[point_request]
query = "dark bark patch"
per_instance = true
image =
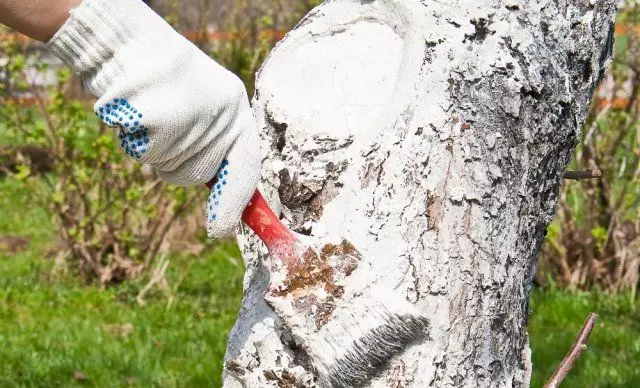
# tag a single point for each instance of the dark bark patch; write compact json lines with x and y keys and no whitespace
{"x":498,"y":322}
{"x":324,"y":145}
{"x":458,"y":380}
{"x":324,"y":314}
{"x":235,"y":368}
{"x":481,"y":31}
{"x":429,"y":50}
{"x":530,"y":92}
{"x":456,"y":25}
{"x":495,"y":369}
{"x":348,"y":266}
{"x":581,"y":69}
{"x":279,"y":131}
{"x":293,"y":194}
{"x":283,"y":379}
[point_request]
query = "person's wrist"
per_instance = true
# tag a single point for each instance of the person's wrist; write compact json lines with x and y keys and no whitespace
{"x":37,"y":19}
{"x":104,"y":40}
{"x":55,"y":20}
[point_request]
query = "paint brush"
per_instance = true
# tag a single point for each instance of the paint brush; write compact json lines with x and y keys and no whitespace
{"x":348,"y":330}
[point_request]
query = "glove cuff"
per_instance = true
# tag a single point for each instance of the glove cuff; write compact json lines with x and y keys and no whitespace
{"x":236,"y":182}
{"x":105,"y":39}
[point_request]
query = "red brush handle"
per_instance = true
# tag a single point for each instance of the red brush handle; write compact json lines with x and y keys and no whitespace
{"x":263,"y":221}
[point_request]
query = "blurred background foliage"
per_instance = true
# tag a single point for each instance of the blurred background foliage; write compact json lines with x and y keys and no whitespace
{"x":107,"y":279}
{"x":594,"y":241}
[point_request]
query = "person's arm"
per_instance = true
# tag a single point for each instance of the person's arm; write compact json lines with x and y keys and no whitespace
{"x":171,"y":105}
{"x":38,"y":19}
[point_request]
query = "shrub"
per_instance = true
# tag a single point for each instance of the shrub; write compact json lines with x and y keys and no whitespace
{"x":595,"y":239}
{"x":112,"y":215}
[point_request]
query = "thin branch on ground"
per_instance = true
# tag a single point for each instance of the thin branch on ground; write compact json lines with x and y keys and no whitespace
{"x":576,"y":350}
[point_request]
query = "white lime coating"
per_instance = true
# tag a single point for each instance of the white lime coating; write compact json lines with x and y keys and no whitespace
{"x":342,"y":100}
{"x":445,"y":183}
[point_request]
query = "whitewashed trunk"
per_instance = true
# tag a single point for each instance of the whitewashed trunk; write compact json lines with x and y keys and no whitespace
{"x":433,"y":135}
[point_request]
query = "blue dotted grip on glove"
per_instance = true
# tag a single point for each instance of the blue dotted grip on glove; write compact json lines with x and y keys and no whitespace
{"x":219,"y":182}
{"x":134,"y":137}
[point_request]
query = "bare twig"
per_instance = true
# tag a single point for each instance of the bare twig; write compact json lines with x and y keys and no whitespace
{"x":158,"y":277}
{"x":580,"y":175}
{"x":576,"y":350}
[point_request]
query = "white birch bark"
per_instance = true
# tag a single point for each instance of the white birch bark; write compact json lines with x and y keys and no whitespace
{"x":433,"y":135}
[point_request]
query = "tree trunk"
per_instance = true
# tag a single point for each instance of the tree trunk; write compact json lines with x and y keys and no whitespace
{"x":433,"y":135}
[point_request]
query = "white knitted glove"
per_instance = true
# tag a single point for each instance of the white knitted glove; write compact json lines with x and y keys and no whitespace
{"x":176,"y":109}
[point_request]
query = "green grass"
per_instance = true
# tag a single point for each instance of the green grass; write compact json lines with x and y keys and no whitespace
{"x":50,"y":327}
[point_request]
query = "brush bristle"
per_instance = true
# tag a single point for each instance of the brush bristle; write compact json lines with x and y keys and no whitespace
{"x":349,"y":352}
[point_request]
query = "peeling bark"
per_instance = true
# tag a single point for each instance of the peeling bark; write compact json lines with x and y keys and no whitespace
{"x":434,"y":137}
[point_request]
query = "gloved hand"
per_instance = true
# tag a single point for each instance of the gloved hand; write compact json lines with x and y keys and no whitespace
{"x":174,"y":107}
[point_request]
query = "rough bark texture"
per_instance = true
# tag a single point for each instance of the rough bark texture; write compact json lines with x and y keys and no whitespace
{"x":433,"y":135}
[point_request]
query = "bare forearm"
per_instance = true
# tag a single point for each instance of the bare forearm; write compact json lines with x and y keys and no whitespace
{"x":38,"y":19}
